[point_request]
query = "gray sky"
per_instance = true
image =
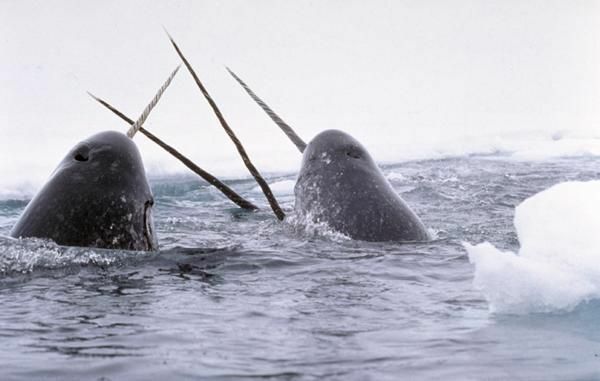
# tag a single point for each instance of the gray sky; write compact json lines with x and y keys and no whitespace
{"x":408,"y":78}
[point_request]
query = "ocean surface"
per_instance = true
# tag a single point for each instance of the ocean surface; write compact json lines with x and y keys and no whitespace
{"x":239,"y":295}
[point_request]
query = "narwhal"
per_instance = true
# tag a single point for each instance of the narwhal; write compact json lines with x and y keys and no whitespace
{"x":98,"y":196}
{"x":340,"y":184}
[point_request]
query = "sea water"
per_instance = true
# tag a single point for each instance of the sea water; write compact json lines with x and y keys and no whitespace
{"x":239,"y":295}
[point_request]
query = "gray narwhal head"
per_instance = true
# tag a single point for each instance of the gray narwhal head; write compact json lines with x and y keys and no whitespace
{"x":338,"y":148}
{"x":98,"y":196}
{"x":340,"y":184}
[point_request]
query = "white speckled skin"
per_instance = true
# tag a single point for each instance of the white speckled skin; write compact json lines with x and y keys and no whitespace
{"x":340,"y":184}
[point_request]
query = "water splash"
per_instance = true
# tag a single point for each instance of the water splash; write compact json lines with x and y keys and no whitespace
{"x":31,"y":254}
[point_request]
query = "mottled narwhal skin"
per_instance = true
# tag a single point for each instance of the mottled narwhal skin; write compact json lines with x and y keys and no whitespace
{"x":340,"y":184}
{"x":98,"y":196}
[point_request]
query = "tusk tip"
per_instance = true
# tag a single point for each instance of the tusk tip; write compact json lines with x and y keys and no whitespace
{"x":93,"y":96}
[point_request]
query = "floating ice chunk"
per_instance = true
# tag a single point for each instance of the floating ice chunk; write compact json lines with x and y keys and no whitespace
{"x":558,"y":264}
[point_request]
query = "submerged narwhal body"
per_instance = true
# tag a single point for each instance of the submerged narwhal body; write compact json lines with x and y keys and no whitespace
{"x":98,"y":196}
{"x":340,"y":185}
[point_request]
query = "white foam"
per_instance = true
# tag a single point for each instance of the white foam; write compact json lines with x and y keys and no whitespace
{"x":558,"y":264}
{"x":306,"y":225}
